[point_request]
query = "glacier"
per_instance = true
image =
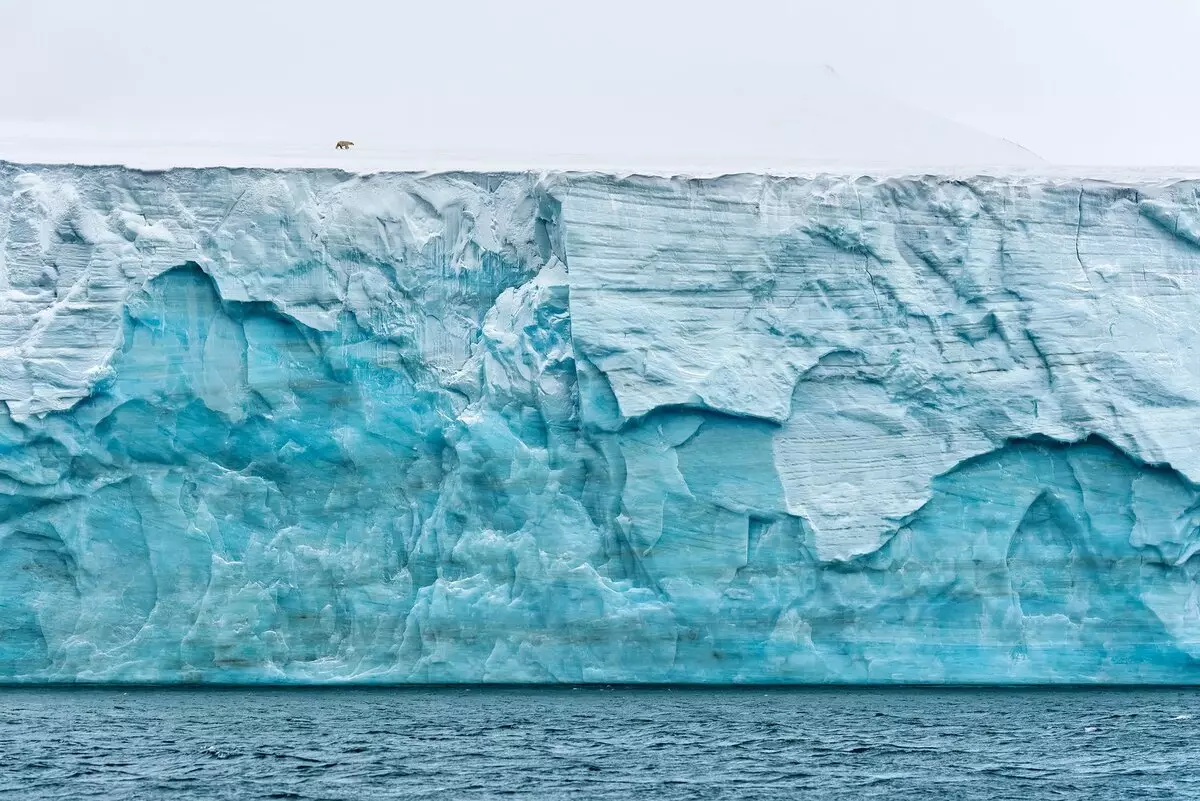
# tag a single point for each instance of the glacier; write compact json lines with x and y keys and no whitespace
{"x":307,"y":426}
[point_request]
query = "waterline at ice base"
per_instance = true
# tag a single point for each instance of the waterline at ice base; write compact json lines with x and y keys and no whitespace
{"x":308,"y":427}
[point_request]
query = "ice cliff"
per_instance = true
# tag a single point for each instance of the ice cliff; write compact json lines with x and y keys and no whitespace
{"x":309,"y":426}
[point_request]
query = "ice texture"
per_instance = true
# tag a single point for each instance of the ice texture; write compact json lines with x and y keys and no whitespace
{"x":314,"y":427}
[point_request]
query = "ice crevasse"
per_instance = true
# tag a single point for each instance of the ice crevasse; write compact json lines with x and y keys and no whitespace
{"x":313,"y":427}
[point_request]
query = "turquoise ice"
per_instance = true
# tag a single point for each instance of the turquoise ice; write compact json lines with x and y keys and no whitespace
{"x":312,"y":427}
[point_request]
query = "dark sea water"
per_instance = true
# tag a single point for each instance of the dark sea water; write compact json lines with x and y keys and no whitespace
{"x":599,"y":744}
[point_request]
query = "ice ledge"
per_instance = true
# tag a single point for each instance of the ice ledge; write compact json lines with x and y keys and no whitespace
{"x":873,"y":321}
{"x":159,"y":157}
{"x":404,"y":428}
{"x":884,"y":322}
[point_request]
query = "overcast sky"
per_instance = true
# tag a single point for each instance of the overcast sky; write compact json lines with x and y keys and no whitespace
{"x":1099,"y":82}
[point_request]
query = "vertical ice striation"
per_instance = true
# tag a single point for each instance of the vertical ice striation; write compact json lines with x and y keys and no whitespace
{"x":312,"y":427}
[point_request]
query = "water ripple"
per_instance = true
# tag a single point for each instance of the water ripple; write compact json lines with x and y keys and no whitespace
{"x":603,"y":744}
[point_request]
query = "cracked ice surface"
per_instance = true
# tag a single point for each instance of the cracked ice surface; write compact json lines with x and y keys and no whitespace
{"x":311,"y":427}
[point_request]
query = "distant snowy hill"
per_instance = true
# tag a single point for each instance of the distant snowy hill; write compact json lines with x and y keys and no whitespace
{"x":683,"y":118}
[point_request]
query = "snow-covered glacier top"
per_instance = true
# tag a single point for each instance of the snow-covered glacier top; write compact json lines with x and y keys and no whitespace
{"x":694,"y":396}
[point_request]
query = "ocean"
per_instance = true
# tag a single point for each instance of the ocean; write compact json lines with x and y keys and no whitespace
{"x":598,"y":743}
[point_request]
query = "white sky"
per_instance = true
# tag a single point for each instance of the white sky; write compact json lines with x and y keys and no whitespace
{"x":1095,"y":82}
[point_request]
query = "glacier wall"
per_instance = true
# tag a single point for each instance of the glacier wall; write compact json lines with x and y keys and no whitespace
{"x":315,"y":427}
